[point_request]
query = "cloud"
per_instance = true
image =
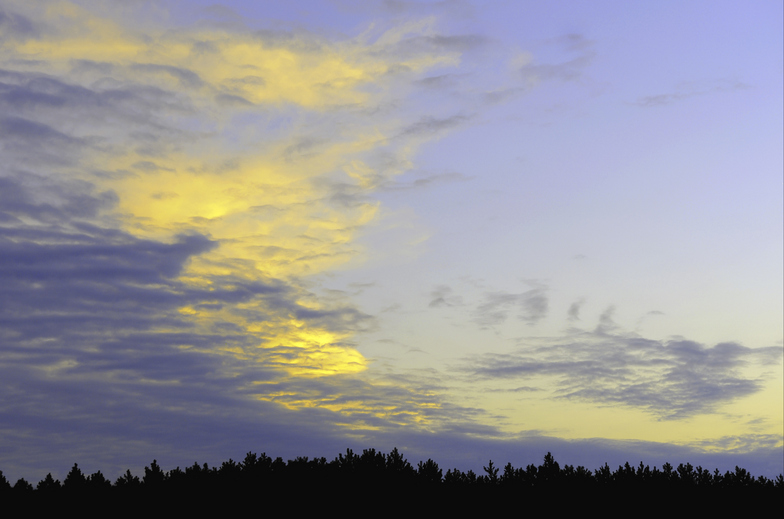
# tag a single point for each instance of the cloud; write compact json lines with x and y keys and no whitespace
{"x":531,"y":307}
{"x":660,"y":99}
{"x":573,"y":313}
{"x":606,"y":325}
{"x":461,"y":43}
{"x":668,"y":379}
{"x":232,"y":100}
{"x":433,"y":126}
{"x":186,"y":78}
{"x":569,"y":70}
{"x":421,"y":182}
{"x":442,"y":296}
{"x":687,"y":90}
{"x":44,"y":143}
{"x":14,"y":25}
{"x":439,"y":82}
{"x":565,"y":71}
{"x":574,"y":42}
{"x":452,"y":7}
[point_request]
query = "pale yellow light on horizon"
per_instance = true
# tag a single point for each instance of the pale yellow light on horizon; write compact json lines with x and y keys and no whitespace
{"x":543,"y":412}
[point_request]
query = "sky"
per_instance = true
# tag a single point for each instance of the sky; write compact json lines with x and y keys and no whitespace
{"x":466,"y":229}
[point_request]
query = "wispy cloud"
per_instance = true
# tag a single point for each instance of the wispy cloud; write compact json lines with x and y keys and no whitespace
{"x":530,"y":307}
{"x":433,"y":126}
{"x":687,"y":90}
{"x":569,"y":70}
{"x":573,"y":313}
{"x":669,"y":379}
{"x":442,"y":296}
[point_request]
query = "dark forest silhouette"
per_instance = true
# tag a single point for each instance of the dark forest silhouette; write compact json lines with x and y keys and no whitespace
{"x":370,"y":478}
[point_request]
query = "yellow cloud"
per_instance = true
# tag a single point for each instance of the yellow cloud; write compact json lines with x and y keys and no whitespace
{"x":245,"y":145}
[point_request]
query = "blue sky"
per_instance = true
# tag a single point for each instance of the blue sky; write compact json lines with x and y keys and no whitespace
{"x":465,"y":229}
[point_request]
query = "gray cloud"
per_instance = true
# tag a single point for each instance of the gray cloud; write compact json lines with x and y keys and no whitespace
{"x":33,"y":91}
{"x":349,"y":194}
{"x":50,"y":122}
{"x":568,"y":70}
{"x":451,"y":7}
{"x":461,"y":43}
{"x":304,"y":147}
{"x":439,"y":43}
{"x":530,"y":307}
{"x":232,"y":100}
{"x":148,"y":166}
{"x":26,"y":195}
{"x":23,"y":131}
{"x":503,"y":95}
{"x":37,"y":142}
{"x":691,"y":89}
{"x":14,"y":25}
{"x":83,"y":66}
{"x":574,"y":42}
{"x":186,"y":78}
{"x":442,"y":296}
{"x":573,"y":314}
{"x":565,"y":71}
{"x":606,"y":325}
{"x":439,"y":82}
{"x":660,"y":99}
{"x":421,"y":182}
{"x":671,"y":380}
{"x":432,"y":125}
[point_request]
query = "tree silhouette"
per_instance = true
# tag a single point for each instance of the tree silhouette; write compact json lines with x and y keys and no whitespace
{"x":374,"y":474}
{"x":97,"y":482}
{"x":153,"y":475}
{"x":428,"y":472}
{"x":492,"y":473}
{"x":22,"y":486}
{"x":48,"y":484}
{"x":5,"y":486}
{"x":397,"y":464}
{"x":75,"y":480}
{"x":127,"y":481}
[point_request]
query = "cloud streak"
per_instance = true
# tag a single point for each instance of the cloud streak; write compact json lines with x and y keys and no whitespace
{"x":668,"y":379}
{"x":687,"y":90}
{"x":530,"y":307}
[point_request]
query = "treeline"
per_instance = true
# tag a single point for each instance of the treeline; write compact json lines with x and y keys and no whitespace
{"x":373,"y":473}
